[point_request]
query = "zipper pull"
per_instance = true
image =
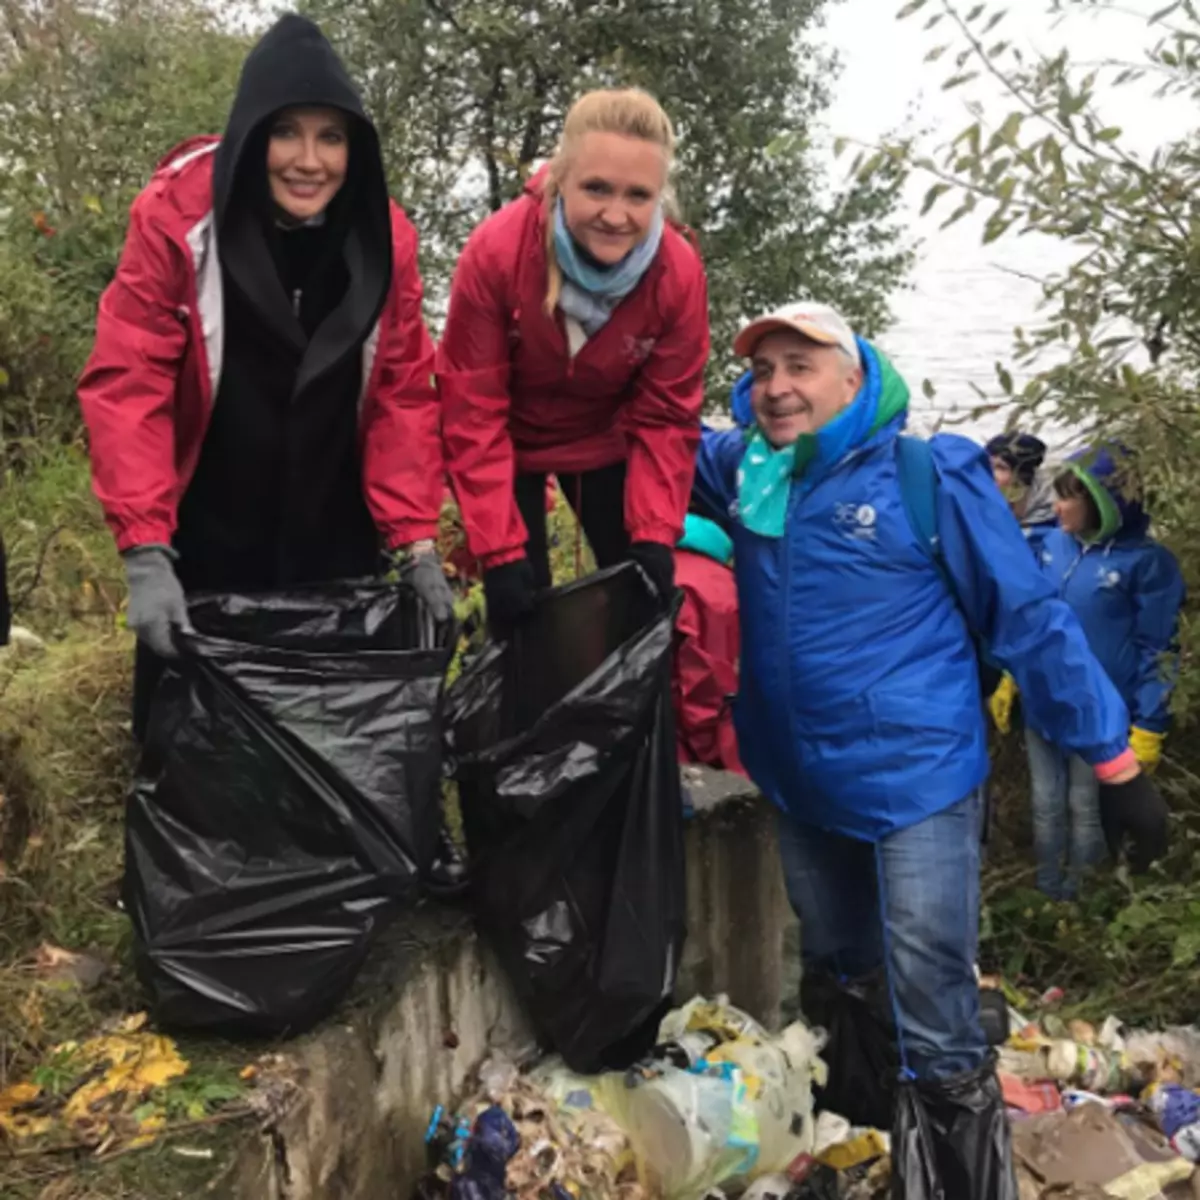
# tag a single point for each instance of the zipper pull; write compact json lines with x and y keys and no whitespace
{"x":296,"y":303}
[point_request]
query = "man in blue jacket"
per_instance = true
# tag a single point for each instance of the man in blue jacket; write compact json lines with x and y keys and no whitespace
{"x":859,"y":711}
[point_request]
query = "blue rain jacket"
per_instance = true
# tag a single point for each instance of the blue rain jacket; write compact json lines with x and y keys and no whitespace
{"x":1126,"y":590}
{"x":859,"y":708}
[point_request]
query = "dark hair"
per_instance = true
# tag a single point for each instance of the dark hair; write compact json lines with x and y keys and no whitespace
{"x":1022,"y":452}
{"x":1068,"y":486}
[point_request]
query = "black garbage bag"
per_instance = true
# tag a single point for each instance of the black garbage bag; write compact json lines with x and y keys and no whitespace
{"x":287,"y":798}
{"x":564,"y":748}
{"x":951,"y":1139}
{"x":860,"y":1050}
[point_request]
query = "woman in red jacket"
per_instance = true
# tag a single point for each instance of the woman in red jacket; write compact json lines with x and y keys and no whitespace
{"x":260,"y":397}
{"x":575,"y":344}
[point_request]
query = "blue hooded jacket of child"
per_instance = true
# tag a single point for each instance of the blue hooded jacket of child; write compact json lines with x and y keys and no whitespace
{"x":859,"y":708}
{"x":1125,"y":588}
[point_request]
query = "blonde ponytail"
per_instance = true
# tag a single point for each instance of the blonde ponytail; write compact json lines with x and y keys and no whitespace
{"x":627,"y":111}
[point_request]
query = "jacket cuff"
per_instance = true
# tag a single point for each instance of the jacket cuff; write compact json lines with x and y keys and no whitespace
{"x":663,"y":534}
{"x":1115,"y":766}
{"x":403,"y":535}
{"x":134,"y":537}
{"x":498,"y":558}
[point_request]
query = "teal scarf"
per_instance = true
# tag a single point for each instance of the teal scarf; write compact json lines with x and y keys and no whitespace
{"x":764,"y":482}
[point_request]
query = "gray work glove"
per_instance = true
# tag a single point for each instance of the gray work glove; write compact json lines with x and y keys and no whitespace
{"x":423,"y":572}
{"x":156,"y":602}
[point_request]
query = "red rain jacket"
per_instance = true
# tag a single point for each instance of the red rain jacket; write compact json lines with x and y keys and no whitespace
{"x":514,"y":400}
{"x":147,"y":391}
{"x":706,"y":662}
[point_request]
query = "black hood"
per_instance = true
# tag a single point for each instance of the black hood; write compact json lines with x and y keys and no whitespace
{"x":293,"y":64}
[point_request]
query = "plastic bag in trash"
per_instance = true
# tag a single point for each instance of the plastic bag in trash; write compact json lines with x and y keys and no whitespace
{"x":692,"y":1130}
{"x":288,"y":792}
{"x":860,"y":1047}
{"x":564,"y":749}
{"x":779,"y":1071}
{"x":494,"y":1140}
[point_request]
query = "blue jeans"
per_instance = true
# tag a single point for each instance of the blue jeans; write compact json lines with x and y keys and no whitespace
{"x":911,"y":904}
{"x":1067,"y":837}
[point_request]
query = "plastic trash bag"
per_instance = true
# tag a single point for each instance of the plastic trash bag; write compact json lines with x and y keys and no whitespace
{"x":693,"y":1131}
{"x":860,"y":1048}
{"x":563,"y":740}
{"x":288,"y":795}
{"x":724,"y":1103}
{"x":951,"y":1139}
{"x":779,"y":1071}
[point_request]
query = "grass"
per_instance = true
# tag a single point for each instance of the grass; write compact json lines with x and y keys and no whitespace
{"x":1127,"y":947}
{"x":66,"y":758}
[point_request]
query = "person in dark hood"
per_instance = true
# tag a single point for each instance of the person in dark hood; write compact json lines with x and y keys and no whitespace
{"x":1016,"y":466}
{"x":260,"y":397}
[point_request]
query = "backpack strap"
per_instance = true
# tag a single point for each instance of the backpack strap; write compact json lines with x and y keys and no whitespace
{"x":919,"y":487}
{"x":919,"y":492}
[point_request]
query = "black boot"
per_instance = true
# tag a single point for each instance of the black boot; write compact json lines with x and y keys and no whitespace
{"x":955,"y":1130}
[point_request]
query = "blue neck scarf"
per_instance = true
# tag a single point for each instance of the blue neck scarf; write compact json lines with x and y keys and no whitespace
{"x":590,"y":293}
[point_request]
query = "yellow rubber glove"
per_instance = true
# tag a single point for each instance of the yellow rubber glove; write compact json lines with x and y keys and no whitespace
{"x":1001,"y":703}
{"x":1147,"y":747}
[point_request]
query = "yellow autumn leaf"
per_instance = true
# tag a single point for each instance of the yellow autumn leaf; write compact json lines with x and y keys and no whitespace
{"x":148,"y":1129}
{"x":20,"y":1124}
{"x":92,"y":204}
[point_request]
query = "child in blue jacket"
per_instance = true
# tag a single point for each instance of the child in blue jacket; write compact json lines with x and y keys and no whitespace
{"x":1126,"y":590}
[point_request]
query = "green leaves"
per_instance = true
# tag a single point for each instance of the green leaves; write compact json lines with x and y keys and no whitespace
{"x":1113,"y":348}
{"x":466,"y":105}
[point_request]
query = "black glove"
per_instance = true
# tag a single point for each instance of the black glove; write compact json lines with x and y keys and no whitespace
{"x":509,"y":590}
{"x":1134,"y":811}
{"x":658,"y":561}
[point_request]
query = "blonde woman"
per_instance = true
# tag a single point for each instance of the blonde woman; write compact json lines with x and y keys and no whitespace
{"x":575,"y":345}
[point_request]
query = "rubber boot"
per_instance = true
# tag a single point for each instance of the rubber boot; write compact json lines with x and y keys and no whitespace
{"x":915,"y":1174}
{"x":968,"y":1127}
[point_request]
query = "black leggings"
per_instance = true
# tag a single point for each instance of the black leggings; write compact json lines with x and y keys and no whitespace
{"x":598,"y":499}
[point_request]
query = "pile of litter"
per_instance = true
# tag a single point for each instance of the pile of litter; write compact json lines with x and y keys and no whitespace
{"x":720,"y":1107}
{"x":1100,"y":1111}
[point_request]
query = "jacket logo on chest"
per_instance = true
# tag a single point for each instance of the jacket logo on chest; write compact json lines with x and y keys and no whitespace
{"x":1107,"y":578}
{"x":855,"y":521}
